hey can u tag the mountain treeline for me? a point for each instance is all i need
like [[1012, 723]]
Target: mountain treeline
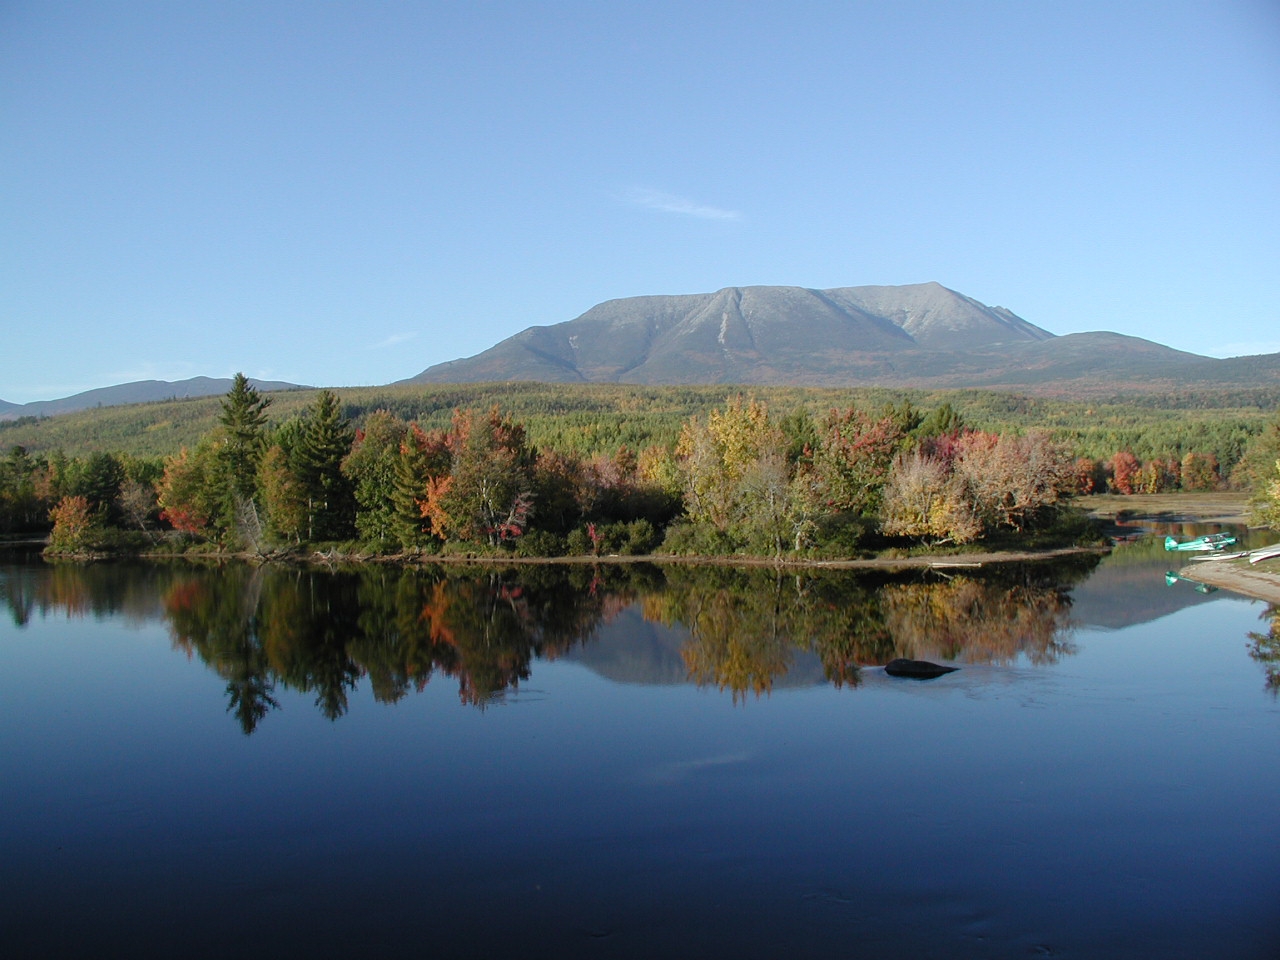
[[740, 478], [591, 419]]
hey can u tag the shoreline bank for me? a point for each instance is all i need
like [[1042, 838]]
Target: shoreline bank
[[1239, 577]]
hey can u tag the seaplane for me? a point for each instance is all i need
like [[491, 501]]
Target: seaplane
[[1170, 578], [1212, 541]]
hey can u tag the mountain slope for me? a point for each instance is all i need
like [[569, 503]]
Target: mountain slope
[[921, 335], [744, 335], [139, 391]]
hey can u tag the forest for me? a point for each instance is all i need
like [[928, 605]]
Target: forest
[[549, 470]]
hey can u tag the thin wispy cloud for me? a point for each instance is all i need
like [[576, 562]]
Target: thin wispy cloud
[[670, 203], [391, 341]]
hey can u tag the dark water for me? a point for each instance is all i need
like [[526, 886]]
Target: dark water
[[634, 763]]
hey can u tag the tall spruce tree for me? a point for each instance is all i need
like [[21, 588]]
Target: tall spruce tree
[[326, 441], [243, 420]]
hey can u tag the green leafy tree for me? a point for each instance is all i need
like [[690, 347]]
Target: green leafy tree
[[284, 499], [941, 421], [22, 505], [372, 467]]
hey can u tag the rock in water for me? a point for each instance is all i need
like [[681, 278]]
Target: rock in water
[[916, 669]]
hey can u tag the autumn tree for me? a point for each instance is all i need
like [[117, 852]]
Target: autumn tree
[[1266, 505], [738, 479], [1200, 472], [488, 493], [1013, 480], [187, 495], [925, 499], [75, 520], [855, 455], [1157, 475], [1089, 476], [1124, 467], [715, 454]]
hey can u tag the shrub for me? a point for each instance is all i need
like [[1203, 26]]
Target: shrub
[[540, 543]]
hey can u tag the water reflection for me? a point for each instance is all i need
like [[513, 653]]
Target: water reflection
[[1265, 648], [266, 629]]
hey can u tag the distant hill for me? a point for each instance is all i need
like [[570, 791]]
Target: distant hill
[[140, 391], [920, 335]]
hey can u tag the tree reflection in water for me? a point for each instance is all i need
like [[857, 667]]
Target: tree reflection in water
[[1265, 648], [267, 628]]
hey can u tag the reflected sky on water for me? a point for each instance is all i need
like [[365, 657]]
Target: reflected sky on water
[[601, 763]]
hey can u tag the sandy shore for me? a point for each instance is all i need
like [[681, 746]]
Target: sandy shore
[[1219, 506], [1261, 581]]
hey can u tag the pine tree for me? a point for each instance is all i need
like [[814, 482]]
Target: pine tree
[[326, 440], [243, 420]]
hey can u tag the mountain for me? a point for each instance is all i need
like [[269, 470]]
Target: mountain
[[920, 335], [742, 335], [140, 391]]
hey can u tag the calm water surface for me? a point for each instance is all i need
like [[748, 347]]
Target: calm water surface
[[634, 763]]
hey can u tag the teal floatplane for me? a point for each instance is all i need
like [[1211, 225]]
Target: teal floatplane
[[1170, 578], [1212, 541]]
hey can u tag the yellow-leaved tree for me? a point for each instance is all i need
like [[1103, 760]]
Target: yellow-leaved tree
[[1266, 508]]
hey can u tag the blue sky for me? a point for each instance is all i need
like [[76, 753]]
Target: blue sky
[[345, 193]]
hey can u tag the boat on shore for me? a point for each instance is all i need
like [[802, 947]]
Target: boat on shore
[[1264, 553]]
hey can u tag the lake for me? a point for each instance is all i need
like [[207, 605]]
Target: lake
[[635, 762]]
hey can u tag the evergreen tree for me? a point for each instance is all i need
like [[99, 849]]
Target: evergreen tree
[[424, 457], [21, 506], [326, 440], [243, 421], [98, 480]]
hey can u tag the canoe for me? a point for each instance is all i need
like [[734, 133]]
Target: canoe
[[1264, 553]]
